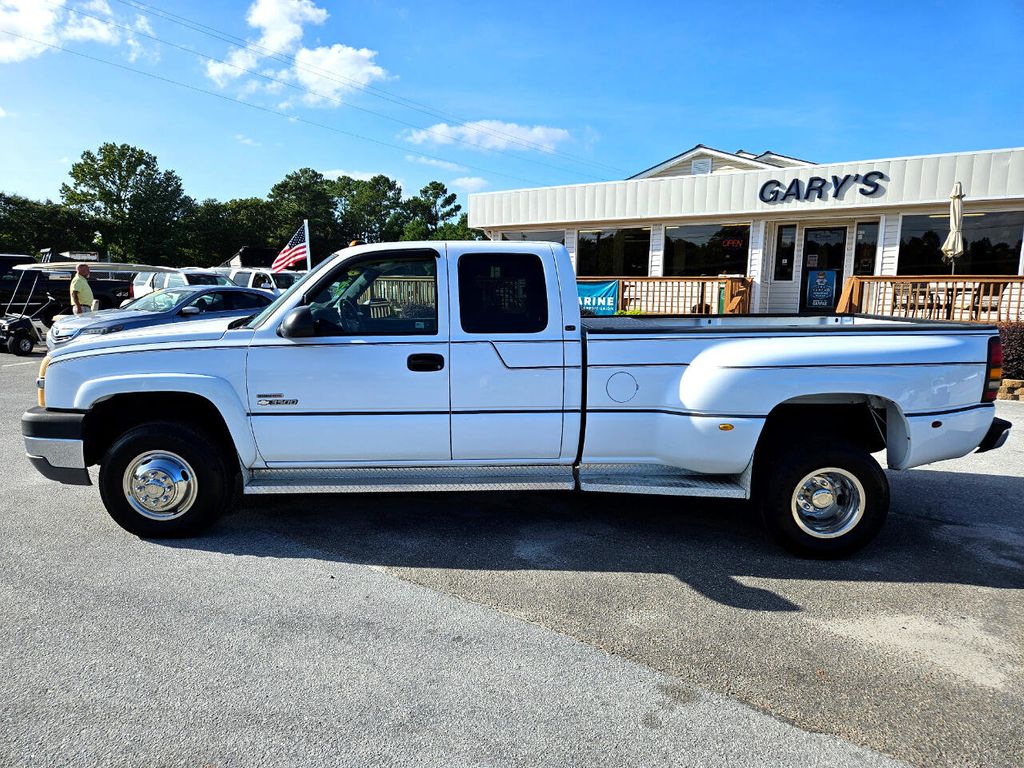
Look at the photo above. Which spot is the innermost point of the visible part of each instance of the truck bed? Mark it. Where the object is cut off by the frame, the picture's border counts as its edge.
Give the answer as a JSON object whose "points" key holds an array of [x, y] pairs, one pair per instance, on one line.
{"points": [[767, 323]]}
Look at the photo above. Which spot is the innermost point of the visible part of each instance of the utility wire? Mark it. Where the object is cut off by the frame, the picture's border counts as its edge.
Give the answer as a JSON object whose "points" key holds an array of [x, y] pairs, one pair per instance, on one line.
{"points": [[286, 84], [381, 93], [269, 110]]}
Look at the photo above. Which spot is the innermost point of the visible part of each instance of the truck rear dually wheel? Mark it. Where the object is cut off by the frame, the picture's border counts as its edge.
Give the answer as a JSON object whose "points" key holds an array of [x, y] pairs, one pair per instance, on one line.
{"points": [[161, 480], [824, 499]]}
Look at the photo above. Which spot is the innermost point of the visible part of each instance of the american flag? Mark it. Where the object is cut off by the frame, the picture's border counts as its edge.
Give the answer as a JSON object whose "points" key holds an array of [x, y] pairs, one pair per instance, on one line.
{"points": [[292, 253]]}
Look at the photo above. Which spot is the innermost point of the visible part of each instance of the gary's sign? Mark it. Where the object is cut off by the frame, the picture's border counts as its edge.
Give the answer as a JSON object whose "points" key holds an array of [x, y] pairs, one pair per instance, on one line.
{"points": [[820, 188]]}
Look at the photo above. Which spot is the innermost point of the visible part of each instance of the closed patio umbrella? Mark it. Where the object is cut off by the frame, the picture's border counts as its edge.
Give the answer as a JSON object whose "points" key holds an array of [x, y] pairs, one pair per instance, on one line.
{"points": [[953, 248]]}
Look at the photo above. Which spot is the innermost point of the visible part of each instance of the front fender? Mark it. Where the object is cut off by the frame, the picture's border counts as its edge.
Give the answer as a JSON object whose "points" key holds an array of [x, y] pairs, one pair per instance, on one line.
{"points": [[218, 391]]}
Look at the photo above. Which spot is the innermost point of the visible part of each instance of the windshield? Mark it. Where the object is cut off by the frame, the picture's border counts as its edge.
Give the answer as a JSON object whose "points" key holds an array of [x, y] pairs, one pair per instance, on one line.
{"points": [[196, 278], [285, 279], [159, 301], [257, 320]]}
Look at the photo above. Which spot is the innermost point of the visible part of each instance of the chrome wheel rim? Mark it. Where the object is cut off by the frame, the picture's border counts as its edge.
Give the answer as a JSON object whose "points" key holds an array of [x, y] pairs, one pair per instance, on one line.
{"points": [[160, 485], [828, 503], [25, 345]]}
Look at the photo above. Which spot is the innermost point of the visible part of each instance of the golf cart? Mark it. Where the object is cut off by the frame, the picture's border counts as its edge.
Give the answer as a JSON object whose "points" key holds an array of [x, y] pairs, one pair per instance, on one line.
{"points": [[20, 328]]}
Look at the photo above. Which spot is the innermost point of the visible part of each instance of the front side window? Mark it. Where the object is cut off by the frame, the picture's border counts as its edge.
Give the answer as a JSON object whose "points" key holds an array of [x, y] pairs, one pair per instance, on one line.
{"points": [[245, 300], [613, 252], [241, 278], [502, 293], [380, 296], [213, 301], [706, 249]]}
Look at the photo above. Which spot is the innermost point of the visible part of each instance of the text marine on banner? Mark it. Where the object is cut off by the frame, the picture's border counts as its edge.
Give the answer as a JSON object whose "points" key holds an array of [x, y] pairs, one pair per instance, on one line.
{"points": [[600, 298]]}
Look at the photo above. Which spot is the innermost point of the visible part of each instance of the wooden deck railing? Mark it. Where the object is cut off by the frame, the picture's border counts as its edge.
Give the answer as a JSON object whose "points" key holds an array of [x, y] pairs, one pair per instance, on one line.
{"points": [[681, 295], [970, 298]]}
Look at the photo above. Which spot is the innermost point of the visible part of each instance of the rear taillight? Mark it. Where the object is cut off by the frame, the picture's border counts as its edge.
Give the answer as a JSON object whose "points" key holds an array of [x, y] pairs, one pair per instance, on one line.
{"points": [[994, 371], [131, 291]]}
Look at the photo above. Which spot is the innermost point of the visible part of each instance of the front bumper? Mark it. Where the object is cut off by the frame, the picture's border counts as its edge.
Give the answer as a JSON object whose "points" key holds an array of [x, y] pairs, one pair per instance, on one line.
{"points": [[54, 446]]}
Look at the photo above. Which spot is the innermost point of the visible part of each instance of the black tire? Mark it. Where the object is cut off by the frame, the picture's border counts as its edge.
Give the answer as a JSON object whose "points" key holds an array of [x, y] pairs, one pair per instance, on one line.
{"points": [[20, 344], [845, 526], [213, 473]]}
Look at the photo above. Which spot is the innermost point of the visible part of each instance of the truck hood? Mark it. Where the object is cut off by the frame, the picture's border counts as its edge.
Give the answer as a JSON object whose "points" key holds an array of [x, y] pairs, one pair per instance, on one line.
{"points": [[168, 334]]}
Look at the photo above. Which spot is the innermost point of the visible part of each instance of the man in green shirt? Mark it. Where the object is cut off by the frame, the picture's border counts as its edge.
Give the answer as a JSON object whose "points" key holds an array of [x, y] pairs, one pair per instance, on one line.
{"points": [[81, 293]]}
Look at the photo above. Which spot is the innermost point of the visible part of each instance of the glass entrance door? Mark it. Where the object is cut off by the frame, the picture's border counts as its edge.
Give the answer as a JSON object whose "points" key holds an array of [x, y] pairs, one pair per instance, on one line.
{"points": [[824, 254]]}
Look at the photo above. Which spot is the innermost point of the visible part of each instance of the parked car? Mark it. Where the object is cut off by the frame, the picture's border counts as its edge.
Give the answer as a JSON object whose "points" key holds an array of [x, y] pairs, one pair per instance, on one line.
{"points": [[167, 305], [147, 282], [445, 366], [264, 279]]}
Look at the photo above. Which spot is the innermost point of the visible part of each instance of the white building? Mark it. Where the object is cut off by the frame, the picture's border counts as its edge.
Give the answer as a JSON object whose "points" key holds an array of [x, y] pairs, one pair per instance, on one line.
{"points": [[778, 220]]}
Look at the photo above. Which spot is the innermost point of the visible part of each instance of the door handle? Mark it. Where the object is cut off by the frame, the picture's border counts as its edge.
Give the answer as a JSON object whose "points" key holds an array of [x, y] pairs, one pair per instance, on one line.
{"points": [[426, 363]]}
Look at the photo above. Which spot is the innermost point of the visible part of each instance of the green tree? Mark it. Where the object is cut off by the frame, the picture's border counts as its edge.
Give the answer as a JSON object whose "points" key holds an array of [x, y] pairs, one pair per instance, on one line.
{"points": [[370, 210], [215, 230], [433, 206], [27, 226], [458, 230], [307, 194], [137, 206]]}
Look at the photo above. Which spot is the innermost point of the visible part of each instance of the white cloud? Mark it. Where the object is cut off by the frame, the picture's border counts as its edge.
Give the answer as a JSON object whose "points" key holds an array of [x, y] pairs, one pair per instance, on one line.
{"points": [[91, 27], [51, 22], [333, 70], [65, 160], [29, 18], [280, 24], [491, 134], [241, 138], [469, 183], [3, 112], [357, 175], [329, 71], [435, 163]]}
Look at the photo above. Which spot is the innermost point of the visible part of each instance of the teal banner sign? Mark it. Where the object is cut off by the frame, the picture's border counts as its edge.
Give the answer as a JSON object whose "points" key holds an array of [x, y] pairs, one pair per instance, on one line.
{"points": [[599, 298]]}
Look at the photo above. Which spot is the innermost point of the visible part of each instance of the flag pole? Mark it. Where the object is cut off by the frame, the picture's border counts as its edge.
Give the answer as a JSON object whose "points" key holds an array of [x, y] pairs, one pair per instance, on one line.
{"points": [[309, 247]]}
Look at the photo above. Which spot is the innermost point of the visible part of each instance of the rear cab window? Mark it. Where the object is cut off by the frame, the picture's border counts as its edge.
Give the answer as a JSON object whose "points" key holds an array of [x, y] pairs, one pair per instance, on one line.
{"points": [[502, 293]]}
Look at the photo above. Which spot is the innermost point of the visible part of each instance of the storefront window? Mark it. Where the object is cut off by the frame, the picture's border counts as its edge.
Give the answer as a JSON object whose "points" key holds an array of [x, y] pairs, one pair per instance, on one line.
{"points": [[536, 236], [992, 244], [785, 252], [613, 252], [865, 247], [706, 249]]}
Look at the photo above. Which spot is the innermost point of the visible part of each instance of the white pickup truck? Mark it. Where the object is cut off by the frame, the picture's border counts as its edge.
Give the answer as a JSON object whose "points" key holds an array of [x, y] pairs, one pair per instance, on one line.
{"points": [[467, 366]]}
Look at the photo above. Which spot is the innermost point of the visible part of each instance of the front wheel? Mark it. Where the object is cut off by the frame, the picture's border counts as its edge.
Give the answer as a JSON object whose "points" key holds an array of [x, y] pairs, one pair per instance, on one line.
{"points": [[164, 480], [825, 499], [20, 344]]}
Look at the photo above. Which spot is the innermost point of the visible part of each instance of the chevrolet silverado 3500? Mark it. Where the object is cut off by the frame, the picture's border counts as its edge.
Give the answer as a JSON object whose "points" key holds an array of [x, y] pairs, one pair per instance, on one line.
{"points": [[467, 366]]}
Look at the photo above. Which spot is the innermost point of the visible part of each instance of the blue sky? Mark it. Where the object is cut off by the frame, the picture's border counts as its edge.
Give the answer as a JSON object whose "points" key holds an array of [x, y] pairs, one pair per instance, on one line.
{"points": [[505, 95]]}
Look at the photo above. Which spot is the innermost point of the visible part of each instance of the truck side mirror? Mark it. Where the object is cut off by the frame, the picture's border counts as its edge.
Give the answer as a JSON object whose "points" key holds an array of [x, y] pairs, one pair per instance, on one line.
{"points": [[298, 324]]}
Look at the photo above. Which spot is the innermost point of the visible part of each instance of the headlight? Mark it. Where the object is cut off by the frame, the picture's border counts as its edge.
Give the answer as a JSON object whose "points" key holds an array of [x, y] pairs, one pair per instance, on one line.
{"points": [[110, 329], [41, 382]]}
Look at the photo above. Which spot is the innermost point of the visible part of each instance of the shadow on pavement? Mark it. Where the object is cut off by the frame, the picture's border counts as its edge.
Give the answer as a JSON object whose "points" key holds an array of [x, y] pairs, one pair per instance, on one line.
{"points": [[931, 536]]}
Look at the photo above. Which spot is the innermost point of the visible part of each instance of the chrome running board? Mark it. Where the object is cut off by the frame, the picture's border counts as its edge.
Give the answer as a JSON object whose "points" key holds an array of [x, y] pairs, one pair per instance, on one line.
{"points": [[661, 480], [410, 479]]}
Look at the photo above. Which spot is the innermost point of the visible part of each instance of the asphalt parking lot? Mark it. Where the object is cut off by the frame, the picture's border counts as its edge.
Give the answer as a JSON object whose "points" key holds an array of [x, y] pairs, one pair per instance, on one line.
{"points": [[529, 629]]}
